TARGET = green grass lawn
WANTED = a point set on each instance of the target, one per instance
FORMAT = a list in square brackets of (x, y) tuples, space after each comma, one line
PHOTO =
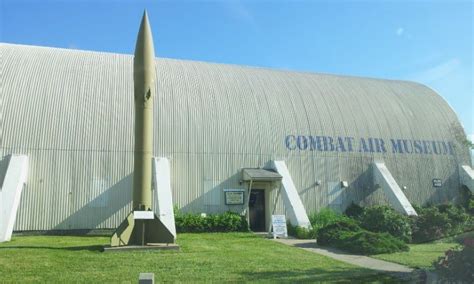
[(420, 255), (203, 257), (423, 255)]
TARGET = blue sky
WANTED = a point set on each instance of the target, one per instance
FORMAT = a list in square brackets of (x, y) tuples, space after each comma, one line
[(430, 42)]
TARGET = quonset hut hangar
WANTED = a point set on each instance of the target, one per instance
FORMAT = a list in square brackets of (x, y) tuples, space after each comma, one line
[(298, 142)]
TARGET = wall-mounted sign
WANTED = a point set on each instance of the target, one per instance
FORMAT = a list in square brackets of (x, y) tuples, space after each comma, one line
[(279, 226), (437, 182), (234, 197)]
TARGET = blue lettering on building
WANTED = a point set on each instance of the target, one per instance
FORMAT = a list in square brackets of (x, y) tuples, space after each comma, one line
[(324, 143)]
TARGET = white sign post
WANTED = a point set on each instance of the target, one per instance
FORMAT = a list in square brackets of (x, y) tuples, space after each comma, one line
[(279, 226)]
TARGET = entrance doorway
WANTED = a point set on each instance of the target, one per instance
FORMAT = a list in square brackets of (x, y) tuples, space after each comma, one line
[(257, 210)]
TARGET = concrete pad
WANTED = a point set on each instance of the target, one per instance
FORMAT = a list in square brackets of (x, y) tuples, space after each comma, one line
[(149, 246), (146, 278)]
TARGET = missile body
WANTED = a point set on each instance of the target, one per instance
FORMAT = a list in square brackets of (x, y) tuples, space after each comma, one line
[(144, 92), (136, 229)]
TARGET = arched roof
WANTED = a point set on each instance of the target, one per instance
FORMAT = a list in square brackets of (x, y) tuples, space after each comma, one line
[(82, 101)]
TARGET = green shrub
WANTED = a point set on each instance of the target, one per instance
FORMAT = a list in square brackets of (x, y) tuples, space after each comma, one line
[(350, 237), (300, 232), (470, 206), (457, 217), (354, 211), (195, 223), (436, 222), (467, 200), (430, 225), (384, 219), (365, 242), (457, 265), (326, 217), (333, 233)]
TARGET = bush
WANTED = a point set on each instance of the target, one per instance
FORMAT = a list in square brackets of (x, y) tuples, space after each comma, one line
[(470, 206), (436, 222), (333, 233), (226, 222), (467, 200), (430, 225), (300, 232), (354, 211), (318, 220), (350, 237), (457, 217), (326, 217), (384, 219), (457, 265), (365, 242)]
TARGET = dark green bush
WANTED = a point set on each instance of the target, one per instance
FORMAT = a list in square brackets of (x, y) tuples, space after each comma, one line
[(354, 211), (333, 233), (350, 237), (436, 222), (384, 219), (467, 200), (318, 220), (326, 217), (430, 225), (365, 242), (457, 217), (457, 265), (470, 206), (300, 232), (225, 222)]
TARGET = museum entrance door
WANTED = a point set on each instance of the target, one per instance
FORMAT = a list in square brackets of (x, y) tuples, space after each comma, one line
[(257, 210)]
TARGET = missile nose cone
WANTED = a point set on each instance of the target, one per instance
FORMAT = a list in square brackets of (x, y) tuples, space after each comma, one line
[(144, 59), (144, 44)]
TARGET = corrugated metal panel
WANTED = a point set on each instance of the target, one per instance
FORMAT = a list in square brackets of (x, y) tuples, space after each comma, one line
[(71, 112)]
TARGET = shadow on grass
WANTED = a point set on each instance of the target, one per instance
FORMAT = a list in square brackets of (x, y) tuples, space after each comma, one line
[(78, 248), (321, 275)]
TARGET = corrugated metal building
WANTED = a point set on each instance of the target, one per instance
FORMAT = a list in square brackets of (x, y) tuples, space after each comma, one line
[(71, 112)]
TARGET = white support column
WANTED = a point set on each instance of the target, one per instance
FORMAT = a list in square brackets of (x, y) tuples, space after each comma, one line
[(291, 199), (467, 177), (10, 193), (163, 198), (397, 198)]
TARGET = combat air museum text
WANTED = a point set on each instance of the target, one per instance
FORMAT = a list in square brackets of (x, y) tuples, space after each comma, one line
[(368, 145)]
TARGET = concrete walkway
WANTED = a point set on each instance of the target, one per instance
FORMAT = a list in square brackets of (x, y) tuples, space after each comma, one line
[(359, 260)]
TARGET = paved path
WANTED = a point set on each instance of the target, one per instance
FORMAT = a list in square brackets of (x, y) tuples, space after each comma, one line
[(359, 260)]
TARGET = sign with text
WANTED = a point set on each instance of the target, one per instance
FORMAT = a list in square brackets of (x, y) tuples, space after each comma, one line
[(234, 197), (437, 182), (279, 226), (324, 143)]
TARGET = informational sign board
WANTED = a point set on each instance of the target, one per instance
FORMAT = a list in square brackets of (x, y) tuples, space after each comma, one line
[(234, 197), (143, 215), (437, 182), (279, 226)]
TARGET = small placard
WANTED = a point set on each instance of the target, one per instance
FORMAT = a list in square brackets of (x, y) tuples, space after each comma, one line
[(437, 182), (279, 226), (234, 197), (143, 215)]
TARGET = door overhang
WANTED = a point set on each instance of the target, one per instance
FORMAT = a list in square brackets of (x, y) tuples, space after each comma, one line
[(257, 174)]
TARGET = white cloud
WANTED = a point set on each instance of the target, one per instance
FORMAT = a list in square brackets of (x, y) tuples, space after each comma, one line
[(239, 11), (400, 31), (437, 72)]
